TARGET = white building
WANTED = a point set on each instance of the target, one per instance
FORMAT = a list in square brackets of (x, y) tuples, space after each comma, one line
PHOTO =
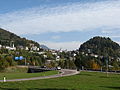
[(41, 52), (0, 46), (57, 58), (38, 49), (26, 48), (10, 48), (54, 53), (45, 56)]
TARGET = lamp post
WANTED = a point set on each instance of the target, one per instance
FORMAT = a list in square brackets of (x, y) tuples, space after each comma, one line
[(107, 67)]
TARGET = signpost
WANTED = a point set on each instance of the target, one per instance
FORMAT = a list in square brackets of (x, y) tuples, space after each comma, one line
[(21, 58), (4, 79)]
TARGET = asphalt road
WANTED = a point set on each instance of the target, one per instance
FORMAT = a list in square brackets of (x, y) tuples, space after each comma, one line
[(64, 72)]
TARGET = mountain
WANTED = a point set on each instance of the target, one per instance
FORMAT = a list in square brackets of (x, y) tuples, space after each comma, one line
[(44, 47), (6, 38), (101, 46)]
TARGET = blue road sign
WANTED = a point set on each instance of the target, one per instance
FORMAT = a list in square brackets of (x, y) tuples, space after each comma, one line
[(21, 58), (16, 58)]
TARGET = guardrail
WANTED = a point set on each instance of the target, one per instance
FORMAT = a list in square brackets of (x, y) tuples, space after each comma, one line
[(35, 69), (117, 71)]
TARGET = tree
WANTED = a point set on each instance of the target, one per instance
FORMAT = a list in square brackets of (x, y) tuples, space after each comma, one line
[(3, 63), (61, 63), (10, 60), (94, 65), (78, 62), (115, 65)]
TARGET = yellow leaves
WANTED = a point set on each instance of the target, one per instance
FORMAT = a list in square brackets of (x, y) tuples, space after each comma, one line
[(94, 65)]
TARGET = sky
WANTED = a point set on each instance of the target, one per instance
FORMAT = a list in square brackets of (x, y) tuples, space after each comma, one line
[(61, 23)]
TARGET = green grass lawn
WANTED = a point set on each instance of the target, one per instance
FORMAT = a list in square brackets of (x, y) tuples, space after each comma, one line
[(82, 81), (19, 75)]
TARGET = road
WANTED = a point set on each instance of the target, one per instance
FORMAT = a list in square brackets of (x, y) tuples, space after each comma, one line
[(64, 72)]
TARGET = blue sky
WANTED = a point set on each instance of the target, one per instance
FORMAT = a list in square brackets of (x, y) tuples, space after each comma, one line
[(61, 23)]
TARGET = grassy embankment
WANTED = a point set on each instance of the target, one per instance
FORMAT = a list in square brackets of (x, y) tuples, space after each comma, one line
[(82, 81), (18, 73)]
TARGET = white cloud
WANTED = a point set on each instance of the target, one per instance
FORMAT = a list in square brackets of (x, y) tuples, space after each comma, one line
[(111, 32), (116, 36), (56, 37), (70, 17), (118, 43), (62, 45)]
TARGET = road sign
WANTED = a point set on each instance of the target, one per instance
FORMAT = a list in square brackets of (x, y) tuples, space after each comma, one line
[(16, 58), (21, 58)]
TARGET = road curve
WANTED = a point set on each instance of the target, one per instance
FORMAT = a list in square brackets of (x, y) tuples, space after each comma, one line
[(64, 72)]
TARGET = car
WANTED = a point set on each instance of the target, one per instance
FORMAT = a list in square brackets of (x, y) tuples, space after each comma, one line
[(43, 67), (58, 68)]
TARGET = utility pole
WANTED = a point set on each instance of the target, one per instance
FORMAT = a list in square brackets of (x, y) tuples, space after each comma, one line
[(107, 60), (107, 67), (25, 61)]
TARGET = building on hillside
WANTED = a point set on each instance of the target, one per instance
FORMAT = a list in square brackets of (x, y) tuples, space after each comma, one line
[(26, 48), (45, 56), (20, 47), (34, 48), (10, 48), (94, 55), (118, 59), (0, 46), (41, 52), (57, 58), (54, 53), (48, 61), (31, 45), (38, 49)]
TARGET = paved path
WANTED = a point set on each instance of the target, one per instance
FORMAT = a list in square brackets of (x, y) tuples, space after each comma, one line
[(64, 72)]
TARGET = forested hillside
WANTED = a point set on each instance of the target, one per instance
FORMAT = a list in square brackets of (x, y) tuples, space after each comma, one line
[(98, 52), (101, 46), (7, 37)]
